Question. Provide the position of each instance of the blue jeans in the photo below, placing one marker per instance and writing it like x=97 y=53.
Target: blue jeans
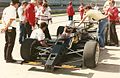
x=22 y=32
x=101 y=35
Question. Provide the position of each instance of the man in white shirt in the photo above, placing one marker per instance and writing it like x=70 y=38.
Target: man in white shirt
x=39 y=34
x=21 y=9
x=44 y=16
x=9 y=23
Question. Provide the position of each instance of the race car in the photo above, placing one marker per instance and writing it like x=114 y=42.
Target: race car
x=80 y=49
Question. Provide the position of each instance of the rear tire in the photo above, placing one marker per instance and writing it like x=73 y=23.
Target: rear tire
x=27 y=49
x=91 y=54
x=60 y=30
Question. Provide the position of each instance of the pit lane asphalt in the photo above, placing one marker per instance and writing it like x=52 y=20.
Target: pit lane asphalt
x=108 y=67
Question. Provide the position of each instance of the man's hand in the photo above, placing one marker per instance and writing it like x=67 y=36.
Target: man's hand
x=3 y=29
x=110 y=14
x=33 y=27
x=43 y=43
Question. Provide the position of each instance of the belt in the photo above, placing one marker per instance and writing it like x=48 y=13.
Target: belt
x=11 y=27
x=102 y=19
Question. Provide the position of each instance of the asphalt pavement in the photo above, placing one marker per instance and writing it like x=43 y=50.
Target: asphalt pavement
x=108 y=67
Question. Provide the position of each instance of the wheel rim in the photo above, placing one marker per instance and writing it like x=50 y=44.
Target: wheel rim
x=97 y=54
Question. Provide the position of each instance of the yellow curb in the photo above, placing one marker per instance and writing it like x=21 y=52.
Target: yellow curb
x=34 y=63
x=68 y=66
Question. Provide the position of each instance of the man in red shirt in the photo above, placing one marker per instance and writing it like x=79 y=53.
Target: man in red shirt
x=30 y=16
x=70 y=11
x=112 y=13
x=81 y=10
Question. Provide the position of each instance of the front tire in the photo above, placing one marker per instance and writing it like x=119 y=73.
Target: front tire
x=60 y=30
x=91 y=54
x=27 y=49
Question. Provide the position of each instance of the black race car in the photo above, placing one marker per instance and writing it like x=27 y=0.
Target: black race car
x=80 y=49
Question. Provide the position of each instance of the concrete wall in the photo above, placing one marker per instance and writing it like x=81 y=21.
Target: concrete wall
x=10 y=0
x=75 y=2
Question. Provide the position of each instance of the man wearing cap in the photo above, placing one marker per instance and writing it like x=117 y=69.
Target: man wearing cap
x=70 y=11
x=30 y=16
x=9 y=23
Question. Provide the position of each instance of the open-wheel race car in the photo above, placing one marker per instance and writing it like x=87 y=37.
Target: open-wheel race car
x=80 y=49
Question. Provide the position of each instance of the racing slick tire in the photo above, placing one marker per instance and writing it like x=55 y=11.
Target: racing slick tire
x=27 y=49
x=60 y=30
x=91 y=54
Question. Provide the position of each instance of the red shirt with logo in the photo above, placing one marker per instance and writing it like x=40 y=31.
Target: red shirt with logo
x=114 y=11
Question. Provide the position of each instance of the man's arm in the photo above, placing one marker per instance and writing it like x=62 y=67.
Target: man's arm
x=7 y=25
x=116 y=12
x=43 y=43
x=82 y=20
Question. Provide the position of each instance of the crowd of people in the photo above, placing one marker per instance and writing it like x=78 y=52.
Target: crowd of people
x=110 y=13
x=35 y=16
x=107 y=18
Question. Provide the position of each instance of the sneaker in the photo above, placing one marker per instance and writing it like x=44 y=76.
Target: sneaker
x=102 y=48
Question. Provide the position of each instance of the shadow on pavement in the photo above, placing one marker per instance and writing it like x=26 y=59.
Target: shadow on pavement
x=64 y=71
x=104 y=55
x=106 y=66
x=114 y=49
